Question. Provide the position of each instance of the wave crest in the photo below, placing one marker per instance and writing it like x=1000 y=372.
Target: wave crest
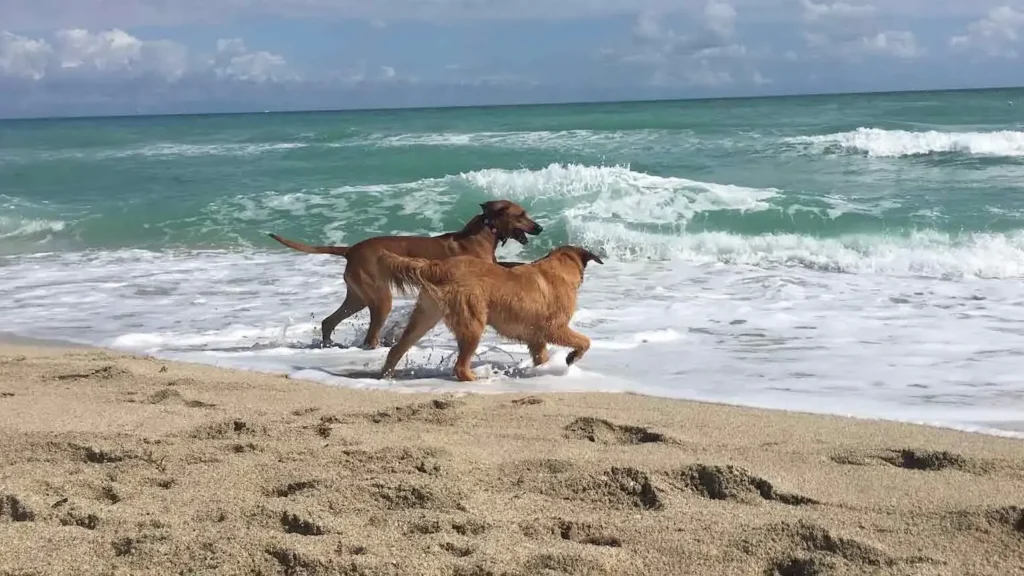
x=17 y=227
x=619 y=193
x=925 y=253
x=879 y=143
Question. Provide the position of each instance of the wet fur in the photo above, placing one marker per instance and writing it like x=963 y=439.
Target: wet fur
x=530 y=303
x=367 y=283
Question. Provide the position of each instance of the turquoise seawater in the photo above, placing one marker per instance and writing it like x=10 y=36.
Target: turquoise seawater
x=820 y=167
x=814 y=248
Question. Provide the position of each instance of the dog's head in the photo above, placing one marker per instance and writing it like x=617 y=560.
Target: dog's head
x=581 y=256
x=586 y=256
x=509 y=220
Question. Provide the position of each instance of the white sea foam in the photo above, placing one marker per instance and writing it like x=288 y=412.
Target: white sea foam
x=581 y=193
x=590 y=140
x=866 y=344
x=926 y=254
x=880 y=143
x=18 y=227
x=561 y=140
x=424 y=202
x=619 y=192
x=217 y=149
x=168 y=150
x=632 y=216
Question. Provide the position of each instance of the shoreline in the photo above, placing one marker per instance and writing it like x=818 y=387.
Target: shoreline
x=125 y=463
x=1011 y=429
x=12 y=339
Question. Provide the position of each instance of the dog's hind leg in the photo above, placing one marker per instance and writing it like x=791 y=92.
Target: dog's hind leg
x=539 y=352
x=468 y=327
x=425 y=316
x=468 y=342
x=352 y=304
x=380 y=307
x=579 y=343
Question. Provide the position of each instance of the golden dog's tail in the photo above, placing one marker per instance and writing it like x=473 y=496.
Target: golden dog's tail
x=407 y=274
x=336 y=250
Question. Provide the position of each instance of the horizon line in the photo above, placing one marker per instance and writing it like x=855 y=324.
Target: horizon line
x=511 y=105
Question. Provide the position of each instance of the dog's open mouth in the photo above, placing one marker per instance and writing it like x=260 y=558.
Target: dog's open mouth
x=520 y=236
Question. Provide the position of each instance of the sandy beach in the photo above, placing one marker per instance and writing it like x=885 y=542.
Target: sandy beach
x=113 y=464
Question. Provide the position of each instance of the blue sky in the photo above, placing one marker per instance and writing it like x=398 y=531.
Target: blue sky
x=121 y=56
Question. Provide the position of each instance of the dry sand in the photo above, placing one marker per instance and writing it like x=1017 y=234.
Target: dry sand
x=118 y=465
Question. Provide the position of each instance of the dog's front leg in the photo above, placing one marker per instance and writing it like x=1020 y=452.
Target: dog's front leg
x=570 y=338
x=539 y=352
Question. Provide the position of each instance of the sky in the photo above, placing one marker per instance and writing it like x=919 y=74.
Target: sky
x=97 y=57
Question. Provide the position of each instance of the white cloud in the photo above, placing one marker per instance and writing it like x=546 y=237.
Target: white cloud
x=500 y=81
x=699 y=73
x=758 y=79
x=362 y=73
x=23 y=57
x=838 y=23
x=698 y=54
x=115 y=52
x=997 y=35
x=647 y=28
x=234 y=61
x=704 y=75
x=901 y=44
x=813 y=12
x=720 y=18
x=80 y=53
x=714 y=36
x=851 y=31
x=106 y=51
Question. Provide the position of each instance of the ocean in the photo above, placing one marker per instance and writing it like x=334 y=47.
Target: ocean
x=859 y=255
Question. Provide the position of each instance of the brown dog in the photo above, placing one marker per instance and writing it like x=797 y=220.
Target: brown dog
x=368 y=284
x=531 y=303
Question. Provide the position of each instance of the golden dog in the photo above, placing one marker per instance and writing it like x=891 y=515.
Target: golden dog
x=531 y=303
x=369 y=286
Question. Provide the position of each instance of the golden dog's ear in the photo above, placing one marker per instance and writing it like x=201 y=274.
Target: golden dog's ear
x=587 y=256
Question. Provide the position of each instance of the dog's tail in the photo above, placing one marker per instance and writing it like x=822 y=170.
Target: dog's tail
x=336 y=250
x=408 y=274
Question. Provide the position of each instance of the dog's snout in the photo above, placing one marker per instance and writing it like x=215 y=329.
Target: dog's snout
x=537 y=228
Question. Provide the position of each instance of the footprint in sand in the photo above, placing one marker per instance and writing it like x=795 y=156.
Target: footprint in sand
x=914 y=459
x=732 y=483
x=604 y=432
x=439 y=411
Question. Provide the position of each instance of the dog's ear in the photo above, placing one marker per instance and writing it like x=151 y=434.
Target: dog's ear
x=587 y=256
x=493 y=208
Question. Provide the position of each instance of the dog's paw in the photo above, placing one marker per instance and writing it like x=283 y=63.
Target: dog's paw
x=571 y=358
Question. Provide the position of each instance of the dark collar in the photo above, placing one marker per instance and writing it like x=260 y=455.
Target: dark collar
x=490 y=226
